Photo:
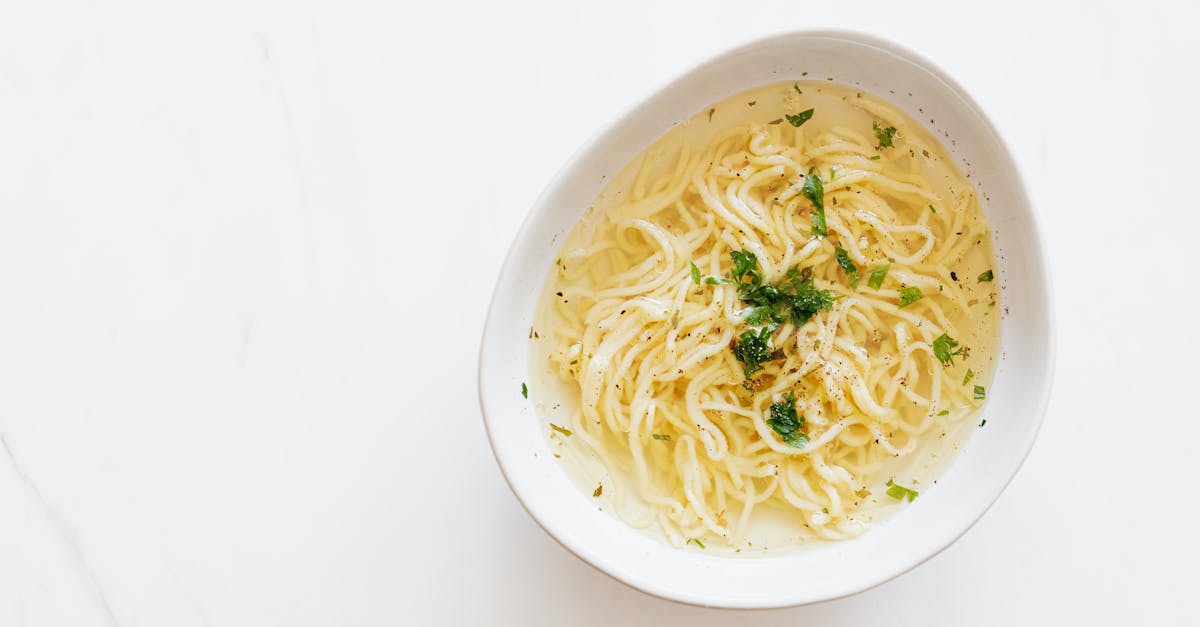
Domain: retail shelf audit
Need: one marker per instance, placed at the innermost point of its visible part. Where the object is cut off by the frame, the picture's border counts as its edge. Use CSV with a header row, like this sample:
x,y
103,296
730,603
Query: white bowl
x,y
989,459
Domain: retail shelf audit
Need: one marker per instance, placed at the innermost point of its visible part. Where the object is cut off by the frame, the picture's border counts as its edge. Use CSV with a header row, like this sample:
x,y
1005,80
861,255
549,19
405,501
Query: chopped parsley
x,y
983,422
815,192
795,299
986,276
752,350
877,276
524,390
695,274
843,260
695,541
900,492
874,157
980,393
784,421
943,349
944,412
932,209
884,135
799,118
909,295
796,86
970,375
661,436
566,432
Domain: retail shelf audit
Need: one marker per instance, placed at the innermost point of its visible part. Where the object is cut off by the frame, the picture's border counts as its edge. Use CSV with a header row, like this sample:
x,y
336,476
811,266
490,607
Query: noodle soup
x,y
773,327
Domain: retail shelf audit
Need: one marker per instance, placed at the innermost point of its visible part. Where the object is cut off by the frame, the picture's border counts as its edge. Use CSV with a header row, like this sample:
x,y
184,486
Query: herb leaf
x,y
986,276
695,274
661,436
944,412
785,422
970,375
752,350
909,295
814,190
900,492
799,118
843,260
884,135
566,432
524,390
943,349
980,393
877,276
695,541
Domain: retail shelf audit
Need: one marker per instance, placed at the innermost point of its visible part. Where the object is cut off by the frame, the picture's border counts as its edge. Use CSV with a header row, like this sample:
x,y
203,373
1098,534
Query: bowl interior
x,y
989,459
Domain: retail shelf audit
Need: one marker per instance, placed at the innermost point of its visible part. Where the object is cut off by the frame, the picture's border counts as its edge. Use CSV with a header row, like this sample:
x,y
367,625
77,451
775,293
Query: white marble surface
x,y
245,250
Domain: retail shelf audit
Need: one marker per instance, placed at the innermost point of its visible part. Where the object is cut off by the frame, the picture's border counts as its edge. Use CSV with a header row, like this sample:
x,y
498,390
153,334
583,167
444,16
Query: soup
x,y
773,327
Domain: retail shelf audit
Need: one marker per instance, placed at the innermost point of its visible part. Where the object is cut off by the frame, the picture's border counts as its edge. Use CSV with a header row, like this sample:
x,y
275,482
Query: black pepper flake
x,y
953,275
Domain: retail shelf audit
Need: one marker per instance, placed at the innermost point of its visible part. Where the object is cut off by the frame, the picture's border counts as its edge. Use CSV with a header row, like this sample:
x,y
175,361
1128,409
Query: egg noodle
x,y
664,402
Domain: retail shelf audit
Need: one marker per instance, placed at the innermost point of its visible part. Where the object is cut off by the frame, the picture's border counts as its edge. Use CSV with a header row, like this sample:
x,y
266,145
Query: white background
x,y
246,250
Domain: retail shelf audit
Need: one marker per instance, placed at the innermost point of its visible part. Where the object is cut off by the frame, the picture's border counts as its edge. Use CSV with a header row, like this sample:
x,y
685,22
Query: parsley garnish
x,y
751,349
843,260
794,299
980,393
884,135
815,192
986,276
524,390
695,274
695,541
943,349
877,276
874,157
785,422
932,209
796,86
944,412
970,375
799,118
900,492
566,432
660,436
909,295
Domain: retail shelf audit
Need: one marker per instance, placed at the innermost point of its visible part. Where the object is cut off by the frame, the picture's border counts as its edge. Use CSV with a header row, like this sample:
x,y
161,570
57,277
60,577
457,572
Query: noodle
x,y
663,400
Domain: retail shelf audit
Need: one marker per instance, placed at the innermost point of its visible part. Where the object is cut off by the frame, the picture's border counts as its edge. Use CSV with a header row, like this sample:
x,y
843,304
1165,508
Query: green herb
x,y
980,393
843,260
799,118
752,350
696,541
910,295
599,490
943,349
660,436
884,135
874,157
932,209
944,412
784,421
983,422
900,492
712,280
745,268
695,274
796,86
970,375
524,390
815,192
985,276
566,432
877,276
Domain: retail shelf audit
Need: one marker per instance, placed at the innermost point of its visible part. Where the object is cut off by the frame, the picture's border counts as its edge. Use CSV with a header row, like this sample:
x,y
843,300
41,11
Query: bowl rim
x,y
1037,250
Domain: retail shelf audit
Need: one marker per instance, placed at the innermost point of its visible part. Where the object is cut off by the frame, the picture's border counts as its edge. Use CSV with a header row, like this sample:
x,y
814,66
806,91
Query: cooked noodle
x,y
664,403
